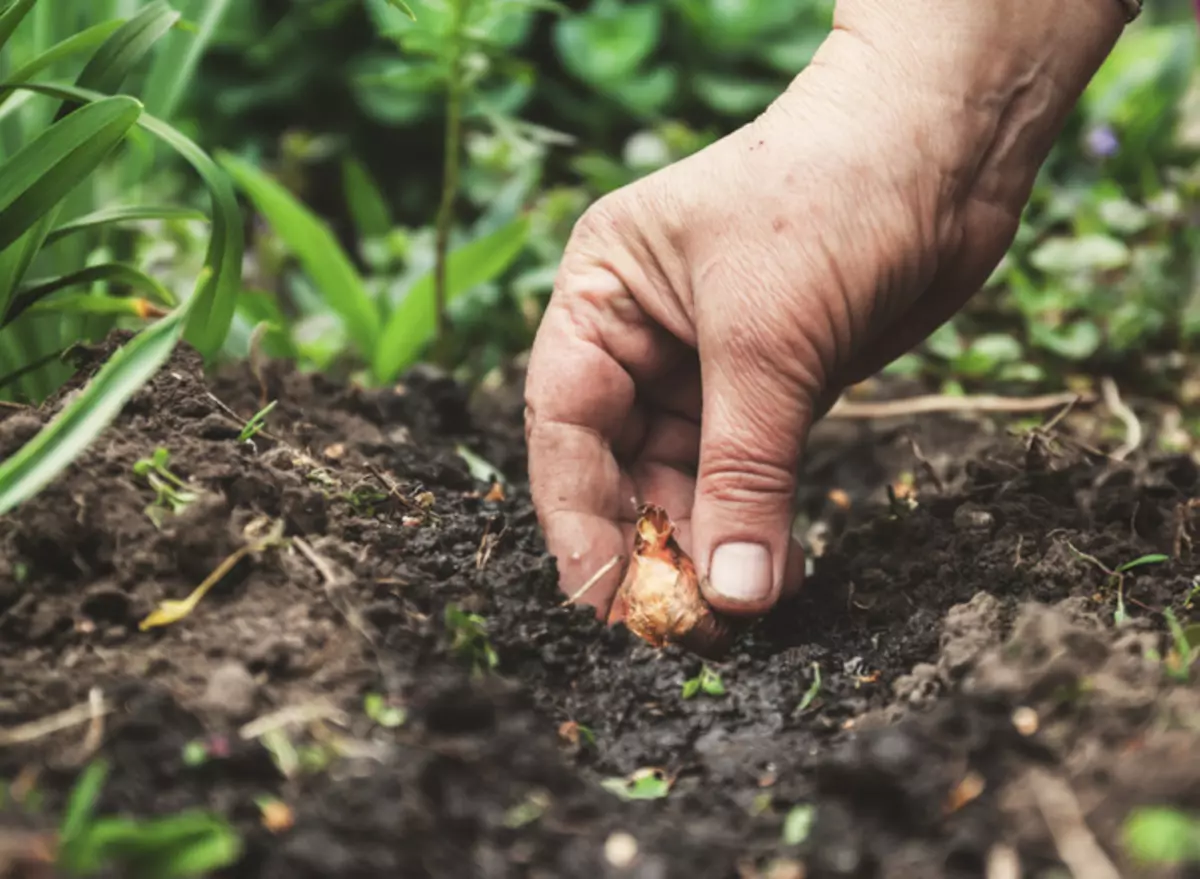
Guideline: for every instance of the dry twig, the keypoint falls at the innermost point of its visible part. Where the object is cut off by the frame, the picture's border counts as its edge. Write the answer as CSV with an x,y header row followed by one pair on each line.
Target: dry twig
x,y
933,403
39,729
593,580
1076,844
1118,407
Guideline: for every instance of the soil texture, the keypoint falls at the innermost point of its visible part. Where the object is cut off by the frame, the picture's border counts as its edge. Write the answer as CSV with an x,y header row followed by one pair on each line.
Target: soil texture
x,y
952,695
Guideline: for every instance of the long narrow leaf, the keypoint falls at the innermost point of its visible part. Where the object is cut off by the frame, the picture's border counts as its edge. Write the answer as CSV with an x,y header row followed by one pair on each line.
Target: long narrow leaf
x,y
80,42
78,424
112,272
44,171
173,68
315,246
119,215
109,306
11,18
412,324
209,319
121,52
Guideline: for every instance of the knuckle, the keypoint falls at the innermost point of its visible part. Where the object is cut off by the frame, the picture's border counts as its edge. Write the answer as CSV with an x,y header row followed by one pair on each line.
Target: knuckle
x,y
743,481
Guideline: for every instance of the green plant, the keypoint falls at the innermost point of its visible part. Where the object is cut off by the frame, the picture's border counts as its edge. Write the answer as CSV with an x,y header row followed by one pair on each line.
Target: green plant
x,y
1116,577
469,639
1162,835
56,140
191,843
707,681
1185,649
171,494
256,423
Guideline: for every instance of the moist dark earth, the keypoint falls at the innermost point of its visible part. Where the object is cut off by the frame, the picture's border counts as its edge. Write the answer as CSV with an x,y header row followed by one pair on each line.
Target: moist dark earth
x,y
978,712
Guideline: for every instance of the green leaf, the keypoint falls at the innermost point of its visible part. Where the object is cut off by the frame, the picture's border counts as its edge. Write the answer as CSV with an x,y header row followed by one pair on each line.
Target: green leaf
x,y
115,59
11,18
367,206
70,432
644,784
79,42
310,240
691,687
1068,256
1162,835
176,61
403,7
610,41
1153,558
87,304
82,801
186,844
43,172
798,824
412,324
112,272
116,216
1078,340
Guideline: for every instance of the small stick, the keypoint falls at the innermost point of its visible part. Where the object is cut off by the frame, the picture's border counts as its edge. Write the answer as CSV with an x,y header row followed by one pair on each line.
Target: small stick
x,y
931,403
593,580
293,715
1076,844
1117,406
39,729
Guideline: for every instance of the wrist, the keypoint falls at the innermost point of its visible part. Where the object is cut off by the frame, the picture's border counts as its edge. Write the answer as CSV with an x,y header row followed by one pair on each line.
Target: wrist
x,y
982,89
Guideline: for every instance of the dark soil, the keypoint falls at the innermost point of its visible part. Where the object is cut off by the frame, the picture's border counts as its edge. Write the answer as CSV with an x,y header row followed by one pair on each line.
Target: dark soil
x,y
930,626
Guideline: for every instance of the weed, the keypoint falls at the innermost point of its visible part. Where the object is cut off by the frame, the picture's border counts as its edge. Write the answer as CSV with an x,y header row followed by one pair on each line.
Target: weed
x,y
469,639
1162,835
1116,577
382,712
810,695
171,494
191,843
707,681
256,423
1185,648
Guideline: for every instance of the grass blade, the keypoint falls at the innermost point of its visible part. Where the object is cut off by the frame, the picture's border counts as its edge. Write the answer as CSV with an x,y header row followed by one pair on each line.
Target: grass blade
x,y
41,174
80,42
117,216
210,318
413,323
108,306
315,246
112,272
61,441
11,18
174,67
121,52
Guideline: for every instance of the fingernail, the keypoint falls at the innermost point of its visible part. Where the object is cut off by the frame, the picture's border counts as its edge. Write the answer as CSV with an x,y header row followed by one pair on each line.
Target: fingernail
x,y
741,572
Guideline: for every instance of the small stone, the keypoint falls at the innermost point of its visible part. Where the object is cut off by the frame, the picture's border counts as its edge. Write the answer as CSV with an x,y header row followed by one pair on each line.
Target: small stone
x,y
621,850
231,690
1025,719
970,517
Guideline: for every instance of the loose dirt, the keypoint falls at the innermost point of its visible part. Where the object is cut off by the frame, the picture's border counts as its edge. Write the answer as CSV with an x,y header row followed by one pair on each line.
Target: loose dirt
x,y
949,697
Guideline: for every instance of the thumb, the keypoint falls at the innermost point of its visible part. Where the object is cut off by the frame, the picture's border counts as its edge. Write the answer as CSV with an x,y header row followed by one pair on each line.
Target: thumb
x,y
756,414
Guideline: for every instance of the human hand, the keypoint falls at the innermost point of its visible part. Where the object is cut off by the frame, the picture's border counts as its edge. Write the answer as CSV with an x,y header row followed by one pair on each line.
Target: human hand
x,y
706,315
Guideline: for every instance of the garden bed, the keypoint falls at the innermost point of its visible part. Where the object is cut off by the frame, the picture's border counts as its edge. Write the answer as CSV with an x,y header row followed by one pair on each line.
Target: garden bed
x,y
974,695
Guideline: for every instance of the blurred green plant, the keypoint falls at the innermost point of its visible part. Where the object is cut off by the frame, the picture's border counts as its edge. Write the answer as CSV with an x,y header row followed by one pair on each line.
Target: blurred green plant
x,y
65,155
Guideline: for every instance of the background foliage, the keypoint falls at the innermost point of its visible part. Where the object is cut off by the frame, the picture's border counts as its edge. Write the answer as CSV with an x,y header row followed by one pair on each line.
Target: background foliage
x,y
390,156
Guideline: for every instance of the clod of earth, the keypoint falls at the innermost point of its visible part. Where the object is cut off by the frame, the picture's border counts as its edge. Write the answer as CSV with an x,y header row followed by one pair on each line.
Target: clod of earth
x,y
660,600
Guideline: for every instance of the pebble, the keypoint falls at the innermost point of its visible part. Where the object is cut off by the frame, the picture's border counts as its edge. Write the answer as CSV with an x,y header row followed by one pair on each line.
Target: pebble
x,y
231,690
969,517
621,850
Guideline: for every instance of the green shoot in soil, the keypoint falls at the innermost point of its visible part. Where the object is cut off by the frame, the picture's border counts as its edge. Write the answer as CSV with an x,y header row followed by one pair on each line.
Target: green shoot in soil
x,y
256,423
171,493
811,694
707,682
470,641
382,712
191,843
1185,650
1117,577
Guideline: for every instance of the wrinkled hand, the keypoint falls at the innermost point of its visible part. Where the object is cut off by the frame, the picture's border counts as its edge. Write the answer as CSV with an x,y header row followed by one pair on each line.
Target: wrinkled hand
x,y
705,316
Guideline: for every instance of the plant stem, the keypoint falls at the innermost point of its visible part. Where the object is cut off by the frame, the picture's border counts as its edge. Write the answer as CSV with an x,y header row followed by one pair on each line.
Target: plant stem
x,y
450,172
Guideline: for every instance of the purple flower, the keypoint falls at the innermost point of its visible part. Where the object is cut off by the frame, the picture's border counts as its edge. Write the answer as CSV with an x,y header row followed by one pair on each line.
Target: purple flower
x,y
1101,142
